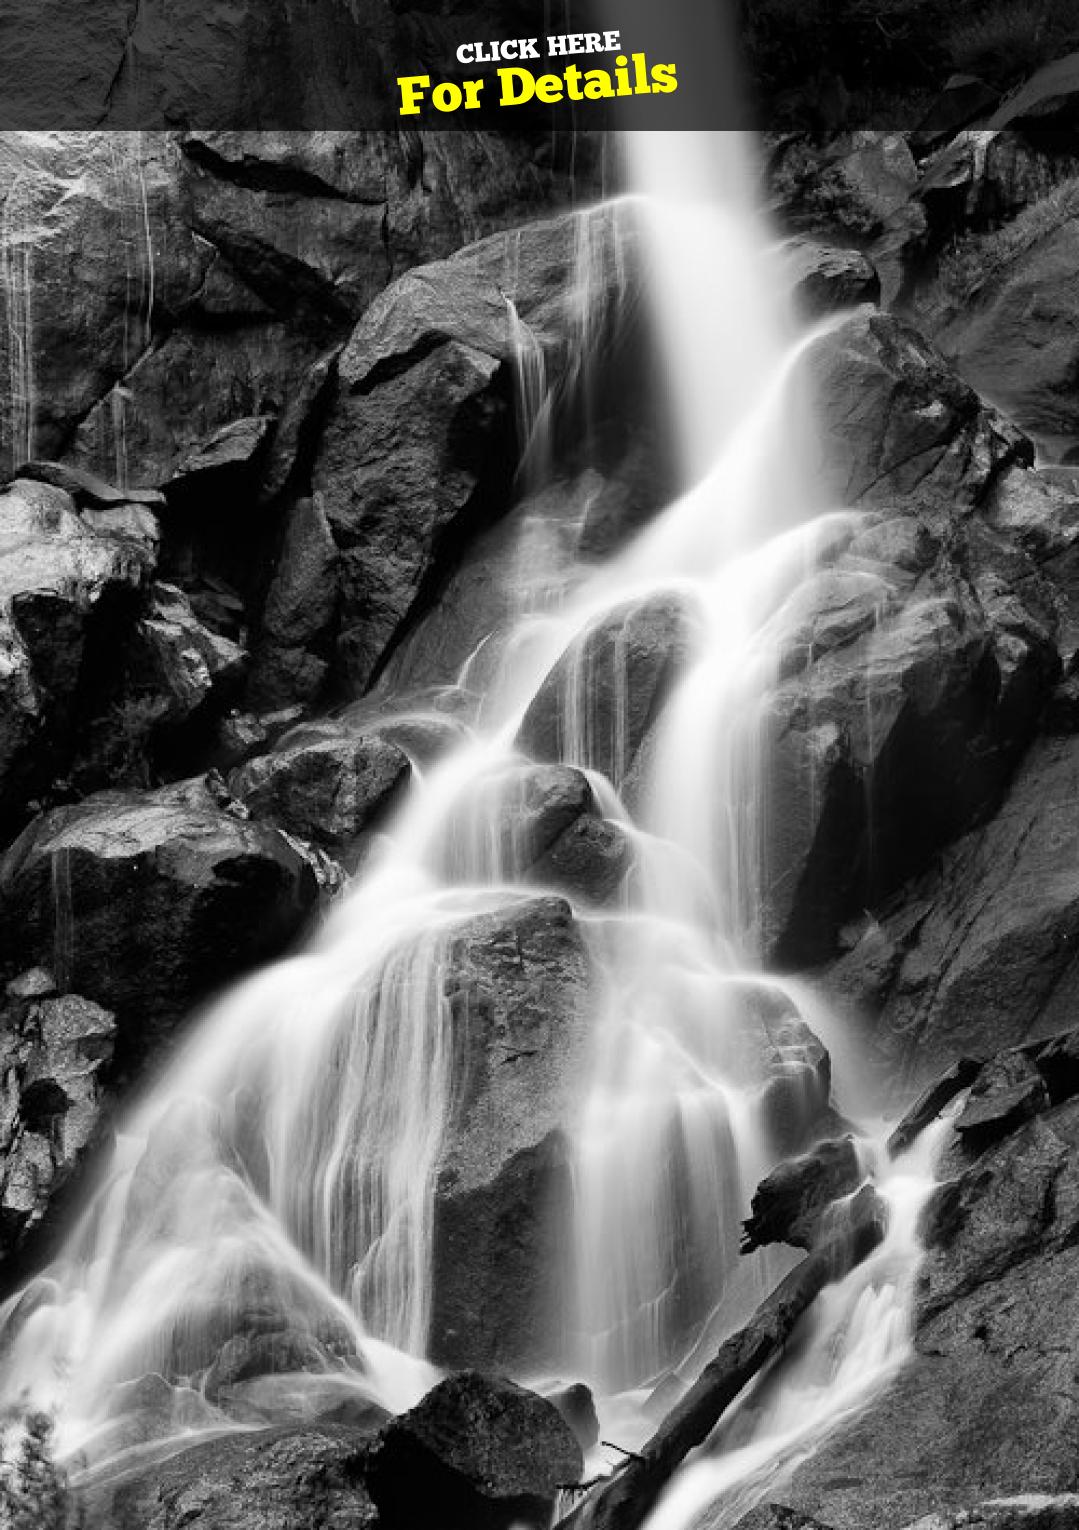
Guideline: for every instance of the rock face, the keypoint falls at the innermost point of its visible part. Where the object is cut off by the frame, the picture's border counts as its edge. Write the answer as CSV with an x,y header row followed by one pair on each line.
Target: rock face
x,y
981,953
309,1477
911,675
988,1406
418,440
1015,340
475,1454
518,984
53,1049
145,903
293,653
627,665
896,418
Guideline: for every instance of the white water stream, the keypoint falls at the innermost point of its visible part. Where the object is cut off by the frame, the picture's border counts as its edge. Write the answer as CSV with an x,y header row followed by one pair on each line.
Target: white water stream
x,y
284,1165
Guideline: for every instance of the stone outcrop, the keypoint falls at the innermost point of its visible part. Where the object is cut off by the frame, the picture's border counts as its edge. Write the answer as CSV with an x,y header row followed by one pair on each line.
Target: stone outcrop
x,y
66,589
980,954
518,984
911,676
475,1454
145,903
896,418
627,663
51,1102
419,436
987,1407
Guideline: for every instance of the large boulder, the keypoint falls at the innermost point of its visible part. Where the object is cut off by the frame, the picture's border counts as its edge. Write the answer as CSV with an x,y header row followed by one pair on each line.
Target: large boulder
x,y
52,1050
145,902
537,823
324,784
418,444
910,676
625,665
477,1453
518,985
66,591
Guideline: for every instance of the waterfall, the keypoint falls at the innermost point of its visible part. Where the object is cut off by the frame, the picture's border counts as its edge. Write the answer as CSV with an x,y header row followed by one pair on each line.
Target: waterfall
x,y
286,1160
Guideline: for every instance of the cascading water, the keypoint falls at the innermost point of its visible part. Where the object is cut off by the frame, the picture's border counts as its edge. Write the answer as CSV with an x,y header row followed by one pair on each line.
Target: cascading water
x,y
284,1166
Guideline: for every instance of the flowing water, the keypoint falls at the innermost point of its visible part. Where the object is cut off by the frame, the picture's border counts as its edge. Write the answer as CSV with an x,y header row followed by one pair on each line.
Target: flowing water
x,y
281,1172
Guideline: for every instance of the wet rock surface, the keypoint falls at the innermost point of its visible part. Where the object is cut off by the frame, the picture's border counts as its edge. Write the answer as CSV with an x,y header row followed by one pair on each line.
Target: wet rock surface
x,y
316,415
518,984
145,903
323,784
475,1452
52,1104
911,678
986,1407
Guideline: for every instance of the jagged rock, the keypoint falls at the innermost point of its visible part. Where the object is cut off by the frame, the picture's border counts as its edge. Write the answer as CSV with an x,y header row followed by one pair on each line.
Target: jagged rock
x,y
182,662
828,278
323,784
627,663
790,1204
418,440
907,690
478,1453
896,418
144,902
311,1477
518,984
1008,1091
980,954
52,1050
295,645
63,592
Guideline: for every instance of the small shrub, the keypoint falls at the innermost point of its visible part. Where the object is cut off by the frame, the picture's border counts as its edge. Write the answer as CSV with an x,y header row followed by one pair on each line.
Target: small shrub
x,y
34,1493
972,261
1005,42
